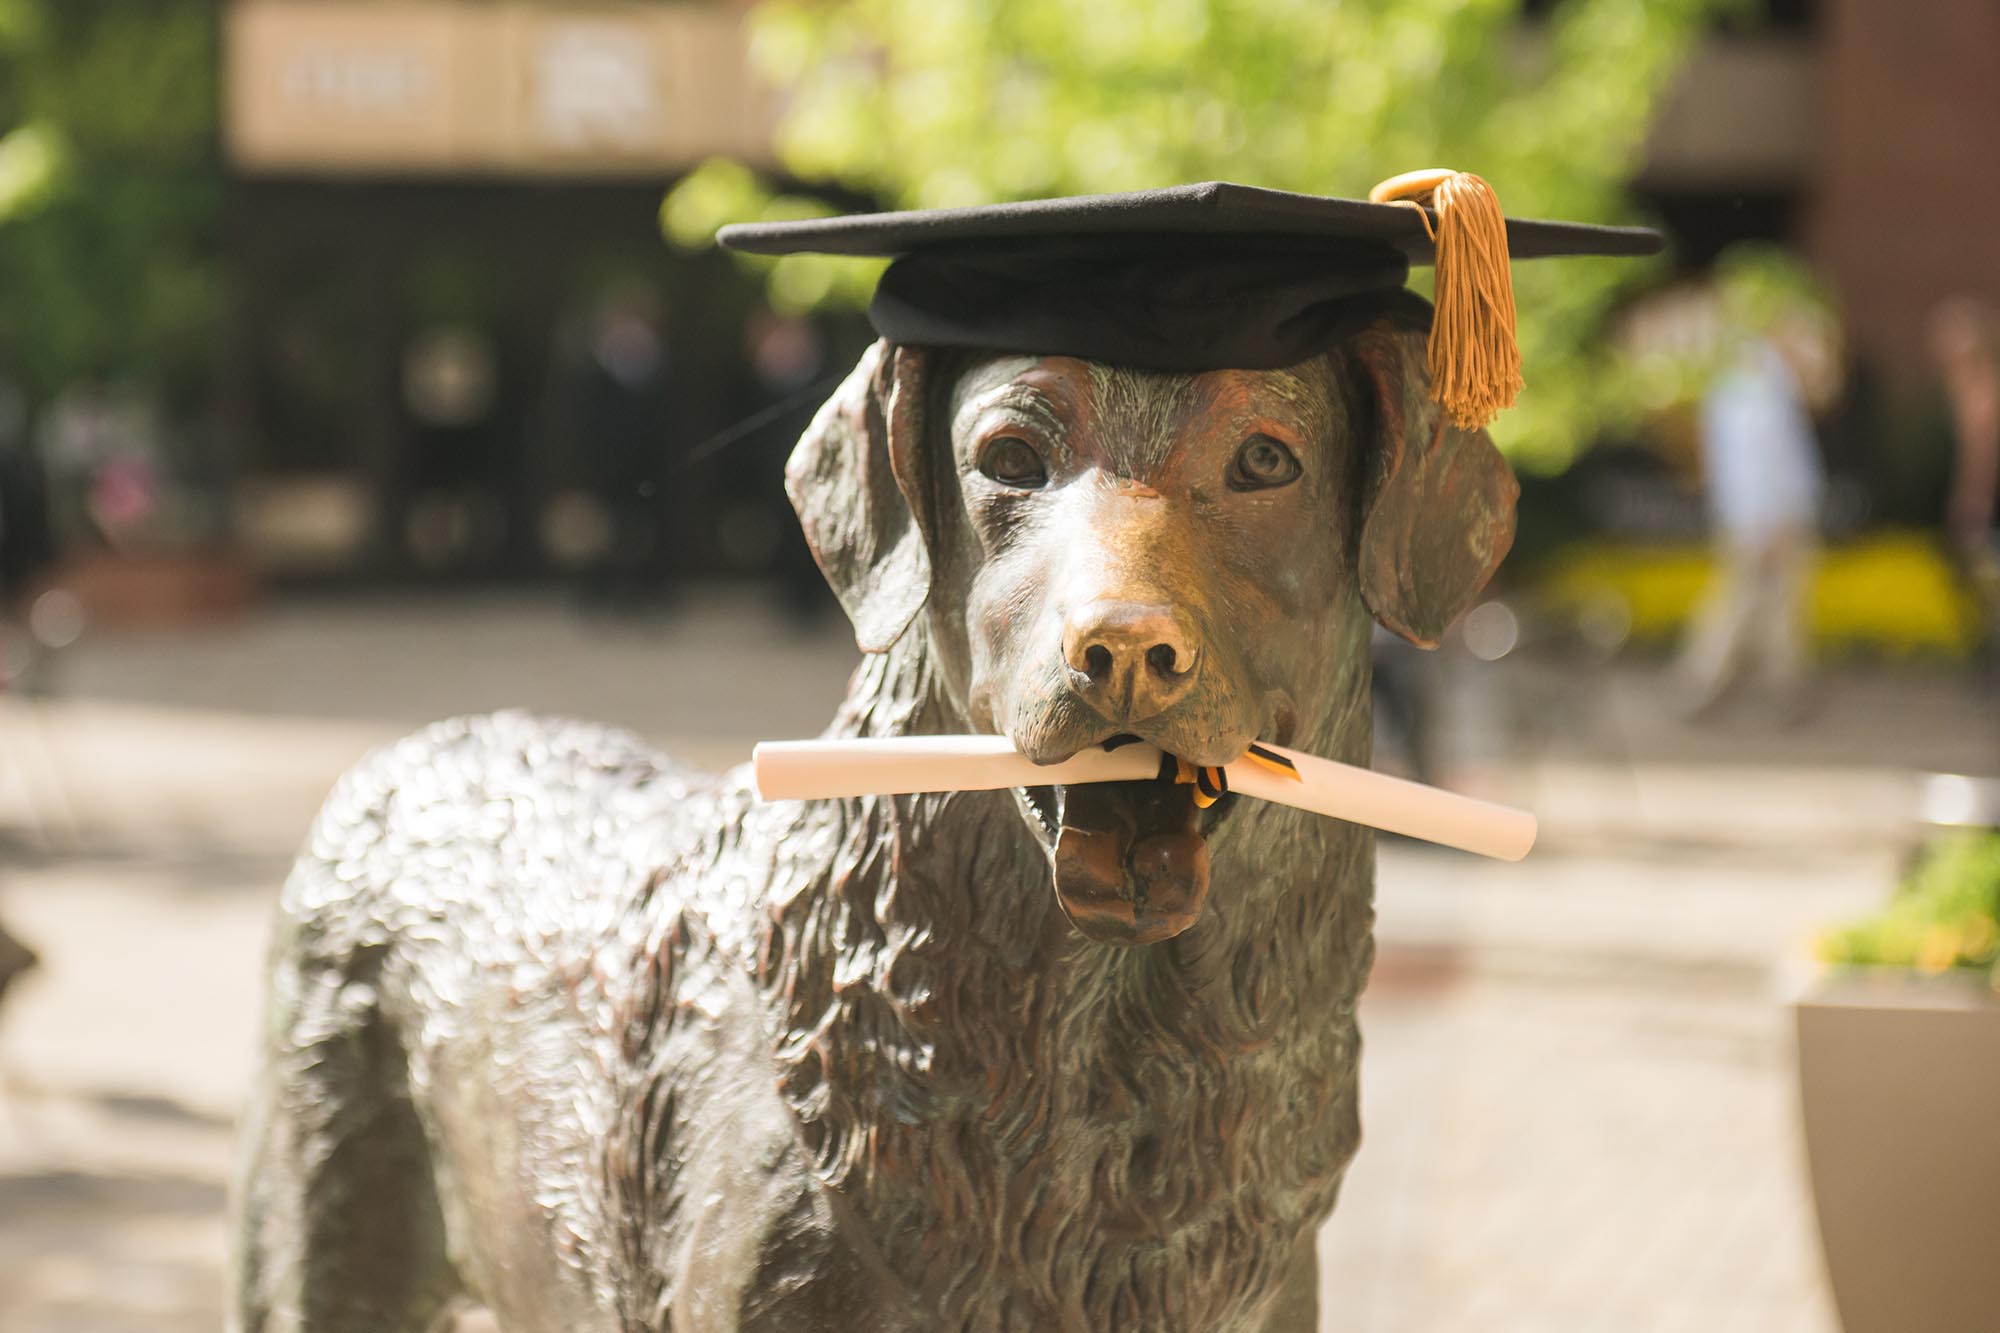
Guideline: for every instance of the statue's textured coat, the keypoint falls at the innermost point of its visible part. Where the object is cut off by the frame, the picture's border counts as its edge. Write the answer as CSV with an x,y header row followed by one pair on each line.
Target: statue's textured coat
x,y
606,1045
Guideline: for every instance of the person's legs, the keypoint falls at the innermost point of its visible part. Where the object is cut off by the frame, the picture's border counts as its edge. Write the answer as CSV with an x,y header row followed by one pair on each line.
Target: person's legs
x,y
1784,578
1712,657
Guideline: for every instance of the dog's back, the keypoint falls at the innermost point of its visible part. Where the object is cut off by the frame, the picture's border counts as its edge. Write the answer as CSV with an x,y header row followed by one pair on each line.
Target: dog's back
x,y
497,1008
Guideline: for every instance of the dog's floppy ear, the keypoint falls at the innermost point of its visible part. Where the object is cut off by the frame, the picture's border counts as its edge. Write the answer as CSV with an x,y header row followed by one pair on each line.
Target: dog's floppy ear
x,y
1437,501
858,483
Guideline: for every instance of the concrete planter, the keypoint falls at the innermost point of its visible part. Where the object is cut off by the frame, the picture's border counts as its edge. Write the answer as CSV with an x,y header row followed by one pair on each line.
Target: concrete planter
x,y
1899,1083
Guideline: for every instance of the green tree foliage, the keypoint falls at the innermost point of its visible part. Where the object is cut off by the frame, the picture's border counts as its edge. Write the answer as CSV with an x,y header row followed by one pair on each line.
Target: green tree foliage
x,y
945,102
110,185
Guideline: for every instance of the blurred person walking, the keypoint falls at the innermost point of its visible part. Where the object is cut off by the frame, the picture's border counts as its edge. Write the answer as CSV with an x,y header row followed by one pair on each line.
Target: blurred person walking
x,y
626,433
1967,350
457,517
1765,481
785,358
1965,342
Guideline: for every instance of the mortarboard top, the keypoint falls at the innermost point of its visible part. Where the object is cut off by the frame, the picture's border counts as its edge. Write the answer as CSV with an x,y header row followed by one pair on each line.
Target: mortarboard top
x,y
1196,277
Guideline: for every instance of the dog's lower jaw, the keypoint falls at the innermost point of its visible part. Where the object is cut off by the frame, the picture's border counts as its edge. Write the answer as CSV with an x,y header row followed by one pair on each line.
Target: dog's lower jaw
x,y
1129,866
1129,860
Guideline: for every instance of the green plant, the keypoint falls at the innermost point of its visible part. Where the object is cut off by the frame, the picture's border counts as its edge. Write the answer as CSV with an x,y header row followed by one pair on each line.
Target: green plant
x,y
110,194
1945,916
925,103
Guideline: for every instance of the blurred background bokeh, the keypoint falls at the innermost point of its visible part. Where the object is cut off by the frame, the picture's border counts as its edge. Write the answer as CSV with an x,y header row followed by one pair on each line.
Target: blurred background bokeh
x,y
368,361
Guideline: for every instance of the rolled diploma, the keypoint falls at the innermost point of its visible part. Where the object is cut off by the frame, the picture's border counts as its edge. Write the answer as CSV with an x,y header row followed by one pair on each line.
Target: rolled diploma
x,y
903,765
1363,796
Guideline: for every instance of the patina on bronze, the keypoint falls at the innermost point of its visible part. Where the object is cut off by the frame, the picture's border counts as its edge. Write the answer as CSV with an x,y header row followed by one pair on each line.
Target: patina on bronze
x,y
603,1044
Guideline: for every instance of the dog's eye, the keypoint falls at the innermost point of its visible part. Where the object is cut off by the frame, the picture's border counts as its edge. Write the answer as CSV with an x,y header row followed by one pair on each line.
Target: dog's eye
x,y
1012,461
1262,463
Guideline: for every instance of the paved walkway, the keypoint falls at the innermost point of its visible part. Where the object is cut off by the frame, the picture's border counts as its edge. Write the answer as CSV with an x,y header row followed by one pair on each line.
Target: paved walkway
x,y
1577,1087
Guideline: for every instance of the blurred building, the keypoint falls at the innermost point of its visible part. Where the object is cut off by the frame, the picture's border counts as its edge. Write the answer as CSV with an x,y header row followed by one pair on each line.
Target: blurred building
x,y
435,202
435,205
1905,194
1860,132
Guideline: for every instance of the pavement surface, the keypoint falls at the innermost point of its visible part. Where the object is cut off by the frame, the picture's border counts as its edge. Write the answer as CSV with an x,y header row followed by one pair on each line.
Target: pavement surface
x,y
1578,1093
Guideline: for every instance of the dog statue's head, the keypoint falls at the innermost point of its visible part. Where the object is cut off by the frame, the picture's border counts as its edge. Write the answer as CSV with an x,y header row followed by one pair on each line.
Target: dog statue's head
x,y
1180,557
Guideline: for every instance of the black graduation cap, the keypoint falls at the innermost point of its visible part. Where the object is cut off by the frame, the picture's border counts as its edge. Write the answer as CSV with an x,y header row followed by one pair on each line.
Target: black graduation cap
x,y
1203,277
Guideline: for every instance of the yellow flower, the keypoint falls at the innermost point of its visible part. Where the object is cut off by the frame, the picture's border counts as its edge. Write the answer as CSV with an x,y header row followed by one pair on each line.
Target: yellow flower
x,y
1939,951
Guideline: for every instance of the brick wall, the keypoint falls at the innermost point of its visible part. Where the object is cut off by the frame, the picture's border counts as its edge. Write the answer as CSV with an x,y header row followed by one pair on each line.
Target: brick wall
x,y
1906,205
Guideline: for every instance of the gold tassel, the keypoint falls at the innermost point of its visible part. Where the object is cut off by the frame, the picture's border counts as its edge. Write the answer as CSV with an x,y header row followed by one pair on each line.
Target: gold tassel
x,y
1475,363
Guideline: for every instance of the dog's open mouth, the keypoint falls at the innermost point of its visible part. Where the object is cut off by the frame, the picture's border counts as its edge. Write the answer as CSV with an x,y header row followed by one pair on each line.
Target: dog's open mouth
x,y
1130,858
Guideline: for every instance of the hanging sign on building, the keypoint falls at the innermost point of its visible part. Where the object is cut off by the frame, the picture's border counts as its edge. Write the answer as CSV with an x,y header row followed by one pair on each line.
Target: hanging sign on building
x,y
429,86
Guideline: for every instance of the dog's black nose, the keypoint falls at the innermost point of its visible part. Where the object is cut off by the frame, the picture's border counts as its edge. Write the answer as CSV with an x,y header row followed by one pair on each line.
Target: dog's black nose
x,y
1128,660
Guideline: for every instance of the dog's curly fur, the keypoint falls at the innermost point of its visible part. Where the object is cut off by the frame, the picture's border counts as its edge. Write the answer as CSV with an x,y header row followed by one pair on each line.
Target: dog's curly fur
x,y
605,1045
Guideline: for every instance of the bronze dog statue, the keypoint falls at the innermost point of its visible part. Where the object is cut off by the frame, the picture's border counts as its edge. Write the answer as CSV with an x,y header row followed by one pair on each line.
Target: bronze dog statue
x,y
606,1045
